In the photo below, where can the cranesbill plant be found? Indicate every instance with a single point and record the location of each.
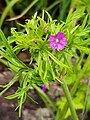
(52, 46)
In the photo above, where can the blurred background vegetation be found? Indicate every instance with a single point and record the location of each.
(17, 11)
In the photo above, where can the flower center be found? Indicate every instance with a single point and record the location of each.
(56, 40)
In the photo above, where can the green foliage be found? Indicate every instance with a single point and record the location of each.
(78, 100)
(48, 64)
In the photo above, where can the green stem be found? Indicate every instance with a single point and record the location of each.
(84, 69)
(6, 10)
(69, 100)
(44, 96)
(53, 5)
(12, 14)
(75, 86)
(4, 62)
(49, 104)
(25, 11)
(65, 4)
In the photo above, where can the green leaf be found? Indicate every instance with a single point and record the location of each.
(49, 16)
(56, 60)
(84, 23)
(16, 95)
(10, 52)
(82, 48)
(31, 99)
(74, 29)
(40, 65)
(6, 87)
(87, 28)
(75, 15)
(6, 43)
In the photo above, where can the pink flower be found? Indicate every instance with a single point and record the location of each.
(43, 87)
(58, 41)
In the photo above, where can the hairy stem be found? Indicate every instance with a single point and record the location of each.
(69, 100)
(75, 86)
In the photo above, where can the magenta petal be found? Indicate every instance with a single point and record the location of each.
(44, 88)
(58, 41)
(63, 41)
(60, 47)
(51, 39)
(59, 35)
(53, 45)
